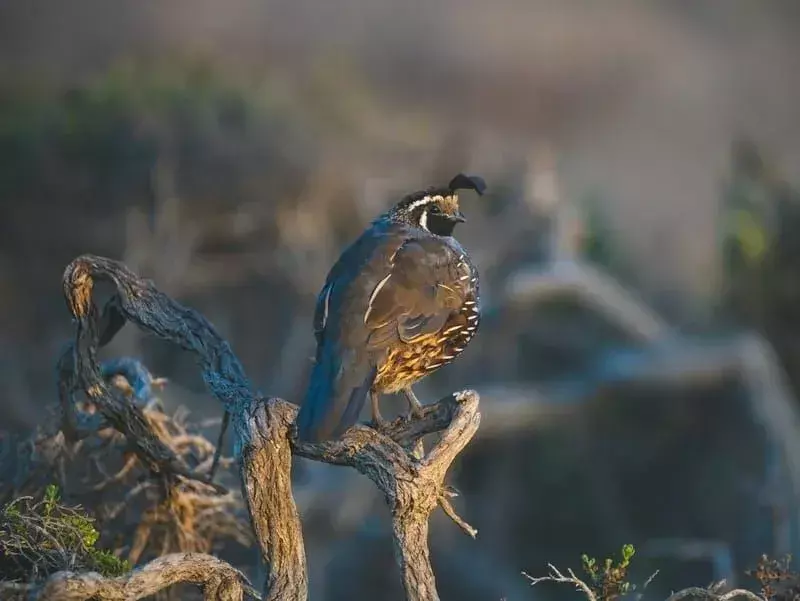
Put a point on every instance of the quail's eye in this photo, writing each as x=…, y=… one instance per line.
x=435, y=209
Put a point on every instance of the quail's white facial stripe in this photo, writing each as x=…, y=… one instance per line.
x=424, y=201
x=423, y=220
x=418, y=203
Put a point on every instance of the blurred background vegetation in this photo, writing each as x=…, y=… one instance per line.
x=229, y=150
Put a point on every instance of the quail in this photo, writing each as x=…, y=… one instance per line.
x=401, y=302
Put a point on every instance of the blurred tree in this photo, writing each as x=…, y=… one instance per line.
x=761, y=253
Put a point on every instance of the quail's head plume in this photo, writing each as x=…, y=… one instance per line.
x=401, y=302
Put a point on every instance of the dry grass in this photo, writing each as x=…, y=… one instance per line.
x=139, y=515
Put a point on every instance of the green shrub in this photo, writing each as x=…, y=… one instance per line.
x=609, y=580
x=41, y=537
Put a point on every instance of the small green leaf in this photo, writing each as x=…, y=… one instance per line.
x=109, y=564
x=50, y=499
x=628, y=552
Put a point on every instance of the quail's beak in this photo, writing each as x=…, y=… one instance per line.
x=459, y=217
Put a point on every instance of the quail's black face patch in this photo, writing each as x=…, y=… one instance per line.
x=437, y=214
x=436, y=221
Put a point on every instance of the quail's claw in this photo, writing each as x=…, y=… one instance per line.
x=413, y=414
x=378, y=423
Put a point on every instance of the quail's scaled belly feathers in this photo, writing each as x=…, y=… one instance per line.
x=402, y=301
x=438, y=335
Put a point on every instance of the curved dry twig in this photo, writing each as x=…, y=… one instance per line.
x=557, y=576
x=706, y=594
x=78, y=366
x=219, y=580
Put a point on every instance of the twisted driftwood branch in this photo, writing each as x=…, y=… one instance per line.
x=219, y=581
x=412, y=481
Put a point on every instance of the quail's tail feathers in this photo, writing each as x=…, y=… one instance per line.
x=334, y=400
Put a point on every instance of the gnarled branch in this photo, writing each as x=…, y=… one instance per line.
x=411, y=481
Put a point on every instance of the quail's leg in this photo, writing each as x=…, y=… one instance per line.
x=413, y=402
x=378, y=423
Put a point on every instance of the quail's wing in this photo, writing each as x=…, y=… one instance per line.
x=341, y=376
x=426, y=283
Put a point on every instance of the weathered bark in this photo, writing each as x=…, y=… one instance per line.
x=266, y=460
x=410, y=532
x=411, y=481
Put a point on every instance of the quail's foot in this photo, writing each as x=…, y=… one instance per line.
x=414, y=405
x=377, y=422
